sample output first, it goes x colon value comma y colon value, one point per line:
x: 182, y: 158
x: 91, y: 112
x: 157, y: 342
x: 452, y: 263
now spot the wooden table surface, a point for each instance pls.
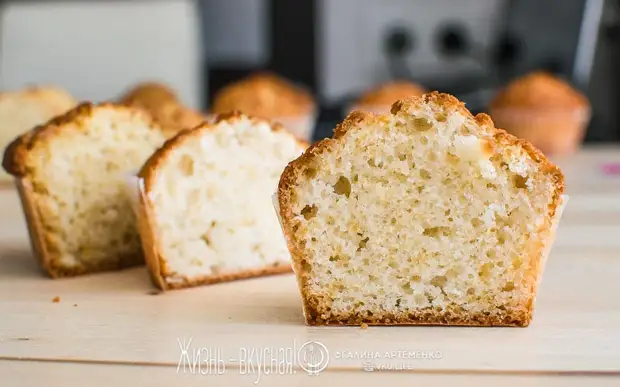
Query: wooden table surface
x: 115, y: 329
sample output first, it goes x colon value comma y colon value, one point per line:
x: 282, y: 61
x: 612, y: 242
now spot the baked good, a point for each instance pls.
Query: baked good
x: 268, y: 96
x: 205, y: 213
x: 263, y: 95
x: 70, y: 173
x: 544, y: 110
x: 178, y: 117
x: 380, y: 99
x: 22, y: 110
x: 149, y: 95
x: 425, y: 215
x: 163, y: 104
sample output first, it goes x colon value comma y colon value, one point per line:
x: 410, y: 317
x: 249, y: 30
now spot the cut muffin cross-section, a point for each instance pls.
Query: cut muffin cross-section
x: 427, y: 215
x: 71, y: 175
x: 205, y: 211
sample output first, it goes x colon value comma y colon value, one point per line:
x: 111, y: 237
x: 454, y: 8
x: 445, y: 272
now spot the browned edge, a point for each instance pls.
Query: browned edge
x: 146, y: 223
x: 15, y: 163
x: 351, y: 123
x: 34, y: 226
x: 15, y: 155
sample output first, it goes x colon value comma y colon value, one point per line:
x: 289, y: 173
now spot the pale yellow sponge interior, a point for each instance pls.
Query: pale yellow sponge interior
x: 79, y: 179
x: 422, y: 213
x: 210, y: 199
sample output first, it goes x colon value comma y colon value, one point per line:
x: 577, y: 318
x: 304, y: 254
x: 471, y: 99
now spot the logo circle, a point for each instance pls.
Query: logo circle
x: 313, y: 357
x: 368, y: 366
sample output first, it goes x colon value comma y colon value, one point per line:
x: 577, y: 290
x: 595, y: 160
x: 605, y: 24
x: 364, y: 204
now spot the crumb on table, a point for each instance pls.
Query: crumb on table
x: 56, y: 300
x: 364, y: 326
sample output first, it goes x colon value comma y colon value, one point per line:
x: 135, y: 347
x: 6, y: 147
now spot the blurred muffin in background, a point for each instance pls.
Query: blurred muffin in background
x: 178, y: 117
x: 149, y: 95
x: 164, y: 105
x: 268, y: 96
x: 544, y: 110
x: 22, y: 110
x: 380, y: 99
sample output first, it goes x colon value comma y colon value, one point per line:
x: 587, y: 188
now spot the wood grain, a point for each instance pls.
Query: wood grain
x: 31, y: 373
x: 121, y: 320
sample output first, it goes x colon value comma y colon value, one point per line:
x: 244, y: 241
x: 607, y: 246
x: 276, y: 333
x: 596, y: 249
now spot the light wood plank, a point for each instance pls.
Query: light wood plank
x: 113, y: 317
x: 28, y: 373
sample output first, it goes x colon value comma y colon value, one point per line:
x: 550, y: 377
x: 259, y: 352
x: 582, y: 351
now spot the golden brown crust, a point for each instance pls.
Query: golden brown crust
x: 149, y: 238
x: 164, y: 106
x: 390, y: 92
x: 148, y: 229
x: 149, y: 95
x: 16, y: 162
x: 263, y: 95
x: 35, y: 227
x: 539, y: 90
x: 518, y: 317
x: 159, y: 156
x: 426, y: 317
x: 500, y: 136
x: 15, y: 155
x: 227, y: 277
x: 40, y: 240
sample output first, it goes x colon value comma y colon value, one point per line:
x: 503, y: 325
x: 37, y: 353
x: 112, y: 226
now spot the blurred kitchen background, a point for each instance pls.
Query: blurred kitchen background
x: 336, y: 48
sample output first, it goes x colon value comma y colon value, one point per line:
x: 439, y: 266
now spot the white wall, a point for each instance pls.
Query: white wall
x: 96, y: 49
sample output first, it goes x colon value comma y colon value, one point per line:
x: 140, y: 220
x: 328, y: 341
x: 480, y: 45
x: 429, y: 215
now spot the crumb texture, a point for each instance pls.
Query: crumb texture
x: 427, y: 215
x: 77, y: 169
x: 210, y: 198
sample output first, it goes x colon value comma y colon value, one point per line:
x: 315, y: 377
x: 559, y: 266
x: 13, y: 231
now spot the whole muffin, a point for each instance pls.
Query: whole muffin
x: 543, y: 109
x: 268, y: 96
x: 149, y: 95
x: 380, y: 99
x: 163, y: 104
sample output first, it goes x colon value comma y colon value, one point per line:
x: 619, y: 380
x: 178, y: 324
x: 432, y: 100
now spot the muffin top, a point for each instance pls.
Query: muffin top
x: 390, y: 92
x: 149, y: 94
x: 264, y: 95
x: 541, y: 90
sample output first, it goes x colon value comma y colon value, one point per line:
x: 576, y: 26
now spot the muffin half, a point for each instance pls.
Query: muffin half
x: 425, y: 215
x: 205, y: 210
x: 71, y: 175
